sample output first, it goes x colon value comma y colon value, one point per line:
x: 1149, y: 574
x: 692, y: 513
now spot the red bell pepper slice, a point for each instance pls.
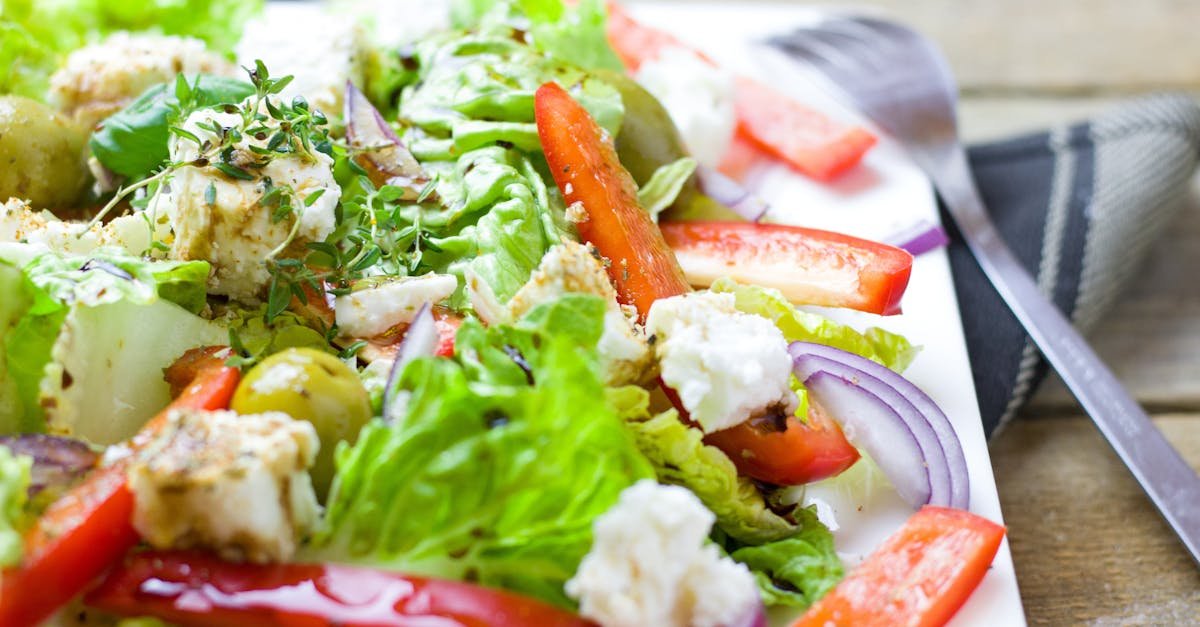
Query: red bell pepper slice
x: 190, y: 588
x: 810, y: 266
x: 807, y: 139
x: 89, y: 528
x: 919, y: 577
x: 585, y: 167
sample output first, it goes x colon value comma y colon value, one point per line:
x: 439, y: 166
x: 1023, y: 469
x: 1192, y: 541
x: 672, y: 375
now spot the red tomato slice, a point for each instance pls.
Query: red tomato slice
x: 800, y: 453
x: 919, y: 577
x: 810, y: 266
x: 585, y: 167
x: 805, y: 138
x: 90, y: 527
x: 191, y: 588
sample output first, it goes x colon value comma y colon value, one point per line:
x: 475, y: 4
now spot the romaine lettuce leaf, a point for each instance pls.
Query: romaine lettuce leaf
x: 681, y: 457
x: 36, y: 36
x: 28, y: 342
x: 499, y: 463
x: 133, y: 141
x: 889, y: 349
x: 14, y: 481
x: 572, y: 32
x: 664, y: 185
x: 107, y: 276
x: 795, y: 571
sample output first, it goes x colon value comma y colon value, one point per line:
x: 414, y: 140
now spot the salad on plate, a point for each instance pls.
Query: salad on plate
x: 440, y: 314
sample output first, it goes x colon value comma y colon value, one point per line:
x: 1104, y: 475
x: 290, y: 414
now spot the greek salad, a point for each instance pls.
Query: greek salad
x: 441, y: 313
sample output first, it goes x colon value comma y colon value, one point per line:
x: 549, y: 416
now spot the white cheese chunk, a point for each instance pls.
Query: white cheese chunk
x: 372, y: 311
x: 220, y: 220
x: 235, y: 484
x: 651, y: 564
x: 726, y: 366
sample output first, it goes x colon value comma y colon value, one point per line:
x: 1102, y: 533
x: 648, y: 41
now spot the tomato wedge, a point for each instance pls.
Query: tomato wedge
x: 191, y: 588
x: 585, y: 167
x: 919, y: 577
x: 810, y: 266
x: 90, y: 527
x: 807, y: 139
x: 786, y: 451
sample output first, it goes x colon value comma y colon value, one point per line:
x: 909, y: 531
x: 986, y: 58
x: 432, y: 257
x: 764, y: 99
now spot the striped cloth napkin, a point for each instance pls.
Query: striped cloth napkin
x: 1080, y: 206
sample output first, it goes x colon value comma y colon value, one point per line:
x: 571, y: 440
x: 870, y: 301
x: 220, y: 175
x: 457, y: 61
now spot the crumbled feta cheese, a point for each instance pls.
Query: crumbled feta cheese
x: 399, y: 22
x: 99, y: 80
x: 372, y: 311
x: 699, y: 98
x: 320, y: 53
x: 726, y: 366
x: 236, y: 484
x: 651, y: 564
x: 573, y: 268
x: 234, y: 232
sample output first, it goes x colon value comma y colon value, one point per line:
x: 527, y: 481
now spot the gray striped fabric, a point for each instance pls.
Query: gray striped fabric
x: 1080, y: 206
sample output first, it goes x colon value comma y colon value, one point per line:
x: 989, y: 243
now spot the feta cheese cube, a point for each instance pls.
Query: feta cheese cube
x: 372, y: 311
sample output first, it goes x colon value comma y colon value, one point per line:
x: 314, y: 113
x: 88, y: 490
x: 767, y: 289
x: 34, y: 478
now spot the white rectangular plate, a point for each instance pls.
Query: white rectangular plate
x: 885, y: 192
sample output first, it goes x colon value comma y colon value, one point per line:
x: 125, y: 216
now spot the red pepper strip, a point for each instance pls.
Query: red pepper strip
x: 919, y: 577
x: 810, y: 266
x: 90, y: 527
x: 805, y: 138
x: 191, y: 588
x: 585, y: 167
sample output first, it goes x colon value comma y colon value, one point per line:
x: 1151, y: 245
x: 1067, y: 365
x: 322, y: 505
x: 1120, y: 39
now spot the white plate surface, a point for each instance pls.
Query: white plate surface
x: 883, y: 193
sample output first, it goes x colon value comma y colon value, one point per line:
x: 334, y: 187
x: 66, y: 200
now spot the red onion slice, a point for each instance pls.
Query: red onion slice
x: 384, y: 156
x: 872, y: 425
x: 919, y: 238
x: 730, y: 193
x: 942, y: 457
x: 420, y: 340
x: 57, y: 462
x: 757, y: 617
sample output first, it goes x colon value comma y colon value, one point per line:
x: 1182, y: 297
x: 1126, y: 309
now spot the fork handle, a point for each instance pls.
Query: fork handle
x: 1169, y: 481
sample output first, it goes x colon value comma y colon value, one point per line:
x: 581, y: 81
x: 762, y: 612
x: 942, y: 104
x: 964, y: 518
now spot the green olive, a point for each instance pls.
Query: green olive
x: 648, y: 140
x: 308, y: 384
x: 41, y: 154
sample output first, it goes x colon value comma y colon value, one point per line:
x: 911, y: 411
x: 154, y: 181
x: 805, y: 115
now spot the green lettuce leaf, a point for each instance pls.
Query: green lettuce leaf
x: 795, y: 571
x: 498, y: 464
x: 469, y: 119
x: 108, y: 276
x: 664, y: 185
x: 133, y: 141
x: 889, y: 349
x: 28, y: 343
x: 14, y: 481
x: 35, y: 36
x: 680, y: 457
x: 574, y: 33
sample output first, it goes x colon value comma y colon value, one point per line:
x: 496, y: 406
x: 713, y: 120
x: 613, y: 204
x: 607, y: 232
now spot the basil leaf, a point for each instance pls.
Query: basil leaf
x: 133, y: 142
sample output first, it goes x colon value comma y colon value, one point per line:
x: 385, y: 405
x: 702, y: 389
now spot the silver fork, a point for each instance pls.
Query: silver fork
x: 898, y: 78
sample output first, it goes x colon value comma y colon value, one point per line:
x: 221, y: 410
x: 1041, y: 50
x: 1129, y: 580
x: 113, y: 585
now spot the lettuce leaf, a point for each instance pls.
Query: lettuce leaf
x: 680, y: 457
x: 572, y: 32
x: 35, y: 36
x: 28, y: 342
x: 664, y: 185
x: 498, y: 464
x: 133, y: 141
x: 889, y: 349
x: 108, y: 276
x: 14, y: 481
x: 795, y: 571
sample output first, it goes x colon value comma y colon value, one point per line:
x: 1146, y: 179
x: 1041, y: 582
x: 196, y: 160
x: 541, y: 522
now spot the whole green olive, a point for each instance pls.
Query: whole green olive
x: 41, y: 154
x: 648, y: 140
x: 308, y: 384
